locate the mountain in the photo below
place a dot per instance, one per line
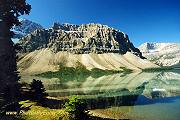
(25, 28)
(92, 45)
(165, 54)
(85, 38)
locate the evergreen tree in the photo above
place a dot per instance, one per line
(37, 91)
(77, 108)
(10, 10)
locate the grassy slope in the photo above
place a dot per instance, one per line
(41, 113)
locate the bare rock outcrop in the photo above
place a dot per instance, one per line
(79, 39)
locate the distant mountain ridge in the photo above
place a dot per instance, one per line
(25, 28)
(165, 54)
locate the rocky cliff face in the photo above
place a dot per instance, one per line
(79, 39)
(165, 54)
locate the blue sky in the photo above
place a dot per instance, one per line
(142, 20)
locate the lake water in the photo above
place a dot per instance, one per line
(137, 96)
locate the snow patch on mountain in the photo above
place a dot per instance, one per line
(165, 54)
(25, 28)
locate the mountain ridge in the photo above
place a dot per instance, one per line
(26, 27)
(83, 38)
(92, 45)
(164, 54)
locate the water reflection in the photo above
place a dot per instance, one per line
(125, 98)
(113, 85)
(158, 94)
(142, 96)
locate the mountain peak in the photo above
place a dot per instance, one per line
(79, 39)
(25, 28)
(165, 54)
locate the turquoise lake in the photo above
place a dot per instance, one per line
(137, 96)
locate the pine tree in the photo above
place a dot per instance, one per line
(37, 91)
(10, 10)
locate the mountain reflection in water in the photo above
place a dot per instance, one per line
(142, 96)
(113, 85)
